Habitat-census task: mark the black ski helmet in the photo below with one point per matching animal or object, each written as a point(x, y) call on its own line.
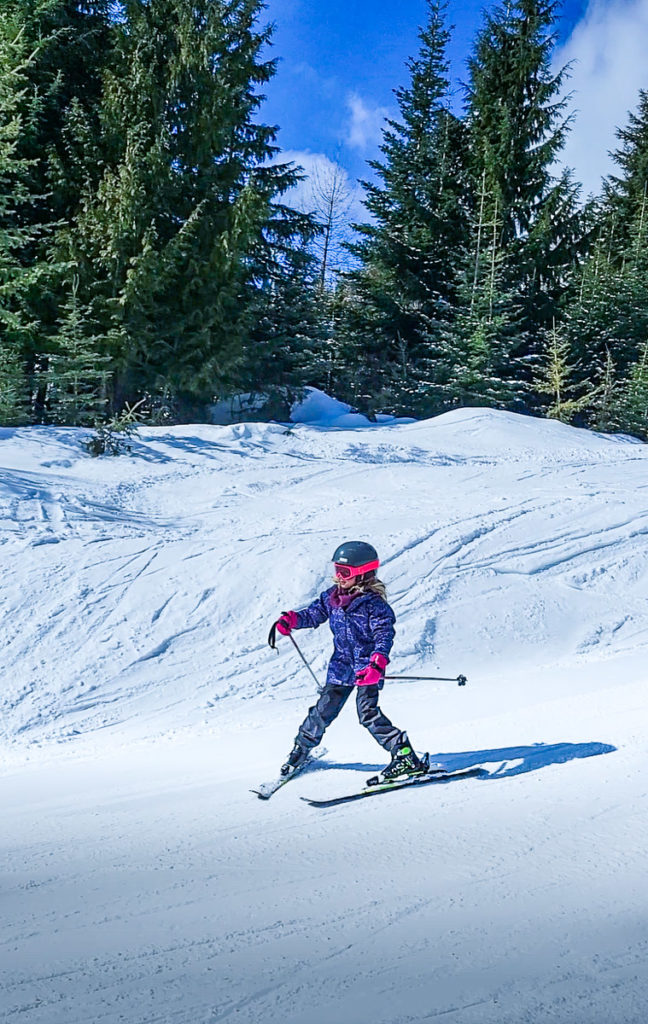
point(357, 557)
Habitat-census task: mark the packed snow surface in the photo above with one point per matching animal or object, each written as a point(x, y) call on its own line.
point(140, 879)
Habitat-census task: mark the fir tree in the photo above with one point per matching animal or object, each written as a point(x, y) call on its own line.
point(635, 397)
point(556, 379)
point(483, 333)
point(13, 390)
point(186, 224)
point(607, 320)
point(67, 43)
point(406, 283)
point(599, 319)
point(283, 352)
point(606, 408)
point(486, 328)
point(18, 107)
point(625, 194)
point(517, 122)
point(77, 376)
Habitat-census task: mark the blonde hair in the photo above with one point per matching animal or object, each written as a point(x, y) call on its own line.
point(372, 585)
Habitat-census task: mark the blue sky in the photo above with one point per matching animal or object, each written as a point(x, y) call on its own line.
point(341, 59)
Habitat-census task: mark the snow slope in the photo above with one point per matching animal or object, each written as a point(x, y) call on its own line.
point(142, 882)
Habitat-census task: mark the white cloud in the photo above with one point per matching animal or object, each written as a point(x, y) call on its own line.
point(364, 129)
point(609, 47)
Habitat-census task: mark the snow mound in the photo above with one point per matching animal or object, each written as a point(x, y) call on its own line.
point(320, 410)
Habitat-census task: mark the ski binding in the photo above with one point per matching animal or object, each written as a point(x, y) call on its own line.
point(266, 789)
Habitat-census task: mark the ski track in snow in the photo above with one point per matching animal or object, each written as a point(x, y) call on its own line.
point(188, 508)
point(141, 882)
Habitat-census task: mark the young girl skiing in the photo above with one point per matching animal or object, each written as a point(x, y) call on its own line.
point(362, 624)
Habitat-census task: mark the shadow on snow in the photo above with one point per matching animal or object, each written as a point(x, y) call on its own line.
point(509, 760)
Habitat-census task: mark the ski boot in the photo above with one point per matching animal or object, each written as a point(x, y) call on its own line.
point(295, 760)
point(404, 763)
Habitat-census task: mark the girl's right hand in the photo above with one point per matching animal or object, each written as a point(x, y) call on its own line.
point(286, 623)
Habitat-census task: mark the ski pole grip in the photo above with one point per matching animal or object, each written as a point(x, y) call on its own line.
point(272, 636)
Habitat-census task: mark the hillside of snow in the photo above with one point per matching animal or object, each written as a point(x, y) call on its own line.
point(142, 882)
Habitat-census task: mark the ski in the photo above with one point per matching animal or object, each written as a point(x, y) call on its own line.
point(266, 789)
point(386, 787)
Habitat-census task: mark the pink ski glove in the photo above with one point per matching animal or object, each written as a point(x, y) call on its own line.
point(374, 671)
point(287, 623)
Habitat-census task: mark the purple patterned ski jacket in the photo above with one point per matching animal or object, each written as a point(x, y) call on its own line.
point(365, 626)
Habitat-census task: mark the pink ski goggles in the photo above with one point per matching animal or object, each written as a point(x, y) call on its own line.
point(347, 572)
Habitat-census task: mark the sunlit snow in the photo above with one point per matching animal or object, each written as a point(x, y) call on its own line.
point(141, 880)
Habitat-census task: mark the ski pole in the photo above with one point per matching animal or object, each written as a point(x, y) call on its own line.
point(271, 641)
point(459, 680)
point(295, 645)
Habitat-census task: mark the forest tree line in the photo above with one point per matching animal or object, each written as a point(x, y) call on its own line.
point(150, 258)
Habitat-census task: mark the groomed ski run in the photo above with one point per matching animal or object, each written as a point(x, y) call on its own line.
point(144, 884)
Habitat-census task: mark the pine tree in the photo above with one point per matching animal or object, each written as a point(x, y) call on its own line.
point(625, 194)
point(556, 379)
point(517, 122)
point(77, 376)
point(13, 388)
point(187, 223)
point(406, 283)
point(69, 42)
point(483, 333)
point(59, 46)
point(606, 407)
point(635, 397)
point(18, 106)
point(608, 314)
point(283, 352)
point(607, 319)
point(486, 328)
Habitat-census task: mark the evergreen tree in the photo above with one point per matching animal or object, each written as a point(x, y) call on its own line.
point(45, 59)
point(556, 379)
point(609, 314)
point(13, 405)
point(626, 194)
point(77, 376)
point(283, 352)
point(517, 122)
point(12, 384)
point(606, 407)
point(18, 106)
point(186, 225)
point(406, 283)
point(607, 320)
point(635, 397)
point(67, 43)
point(483, 333)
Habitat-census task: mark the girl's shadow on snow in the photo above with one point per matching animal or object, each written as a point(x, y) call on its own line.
point(507, 760)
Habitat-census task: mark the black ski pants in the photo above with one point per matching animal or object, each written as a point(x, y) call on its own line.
point(328, 707)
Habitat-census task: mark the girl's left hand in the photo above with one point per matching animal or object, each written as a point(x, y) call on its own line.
point(373, 673)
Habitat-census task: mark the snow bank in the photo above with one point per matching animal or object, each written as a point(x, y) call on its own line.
point(320, 410)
